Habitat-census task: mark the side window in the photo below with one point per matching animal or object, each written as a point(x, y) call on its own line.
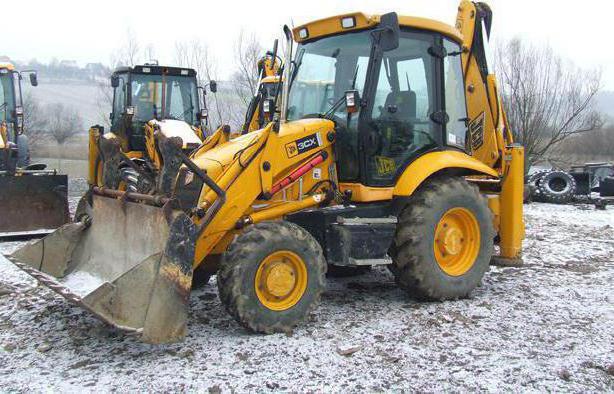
point(119, 99)
point(17, 88)
point(456, 129)
point(412, 77)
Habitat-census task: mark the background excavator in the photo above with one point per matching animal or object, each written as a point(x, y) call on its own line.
point(33, 200)
point(147, 100)
point(261, 108)
point(405, 160)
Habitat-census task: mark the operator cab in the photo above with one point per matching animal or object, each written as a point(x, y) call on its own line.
point(14, 150)
point(147, 92)
point(405, 84)
point(11, 106)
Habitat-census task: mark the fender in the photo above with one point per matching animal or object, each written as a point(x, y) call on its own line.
point(431, 163)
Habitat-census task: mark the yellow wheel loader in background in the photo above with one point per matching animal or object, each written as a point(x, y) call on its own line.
point(33, 200)
point(405, 160)
point(147, 99)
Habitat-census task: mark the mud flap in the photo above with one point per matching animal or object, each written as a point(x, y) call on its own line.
point(131, 266)
point(33, 203)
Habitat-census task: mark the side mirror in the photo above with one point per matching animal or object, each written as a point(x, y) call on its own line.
point(268, 106)
point(390, 31)
point(33, 79)
point(352, 101)
point(114, 81)
point(19, 116)
point(213, 86)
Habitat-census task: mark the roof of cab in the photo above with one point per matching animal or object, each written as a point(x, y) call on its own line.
point(156, 70)
point(332, 25)
point(8, 66)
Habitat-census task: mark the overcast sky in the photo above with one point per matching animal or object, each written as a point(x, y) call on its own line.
point(88, 31)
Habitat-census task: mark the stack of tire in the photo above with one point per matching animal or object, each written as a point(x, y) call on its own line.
point(552, 186)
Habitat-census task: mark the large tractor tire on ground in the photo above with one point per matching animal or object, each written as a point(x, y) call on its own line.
point(444, 241)
point(272, 277)
point(557, 187)
point(534, 178)
point(532, 184)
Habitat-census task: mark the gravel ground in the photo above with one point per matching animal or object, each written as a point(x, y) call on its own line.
point(545, 326)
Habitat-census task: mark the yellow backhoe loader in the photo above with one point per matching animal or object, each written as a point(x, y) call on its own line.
point(147, 99)
point(33, 200)
point(404, 160)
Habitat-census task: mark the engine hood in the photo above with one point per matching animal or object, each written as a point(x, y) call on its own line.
point(177, 128)
point(215, 160)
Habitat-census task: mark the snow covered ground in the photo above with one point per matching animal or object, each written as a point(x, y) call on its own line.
point(546, 326)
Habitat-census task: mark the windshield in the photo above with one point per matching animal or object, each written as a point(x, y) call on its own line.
point(326, 69)
point(7, 97)
point(180, 95)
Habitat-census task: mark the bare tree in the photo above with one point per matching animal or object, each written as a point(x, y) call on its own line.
point(63, 123)
point(248, 51)
point(104, 102)
point(547, 99)
point(196, 54)
point(34, 122)
point(129, 53)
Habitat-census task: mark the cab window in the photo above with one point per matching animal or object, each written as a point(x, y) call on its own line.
point(119, 102)
point(456, 128)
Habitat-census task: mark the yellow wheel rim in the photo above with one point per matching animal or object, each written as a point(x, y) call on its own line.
point(281, 280)
point(457, 241)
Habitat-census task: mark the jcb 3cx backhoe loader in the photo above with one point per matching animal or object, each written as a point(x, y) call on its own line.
point(147, 99)
point(33, 200)
point(405, 161)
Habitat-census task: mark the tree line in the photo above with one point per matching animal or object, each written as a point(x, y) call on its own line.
point(550, 102)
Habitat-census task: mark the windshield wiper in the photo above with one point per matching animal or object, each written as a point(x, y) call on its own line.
point(3, 108)
point(297, 64)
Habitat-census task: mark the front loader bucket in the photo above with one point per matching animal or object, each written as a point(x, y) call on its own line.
point(31, 203)
point(128, 263)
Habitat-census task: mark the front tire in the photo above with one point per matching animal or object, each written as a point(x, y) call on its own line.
point(444, 241)
point(272, 277)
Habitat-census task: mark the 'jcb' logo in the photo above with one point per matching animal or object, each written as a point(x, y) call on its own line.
point(292, 149)
point(303, 145)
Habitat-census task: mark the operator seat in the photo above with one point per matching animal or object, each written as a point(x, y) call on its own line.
point(400, 106)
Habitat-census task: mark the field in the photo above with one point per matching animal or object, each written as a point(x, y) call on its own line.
point(546, 326)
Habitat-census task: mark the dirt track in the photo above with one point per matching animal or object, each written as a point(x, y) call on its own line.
point(546, 326)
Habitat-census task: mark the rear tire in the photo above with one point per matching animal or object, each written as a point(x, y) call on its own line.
point(433, 253)
point(272, 277)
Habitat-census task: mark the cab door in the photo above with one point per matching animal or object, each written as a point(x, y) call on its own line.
point(405, 117)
